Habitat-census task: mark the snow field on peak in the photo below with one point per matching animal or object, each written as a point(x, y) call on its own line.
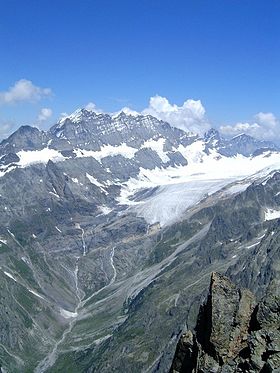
point(157, 146)
point(179, 187)
point(125, 150)
point(30, 157)
point(106, 151)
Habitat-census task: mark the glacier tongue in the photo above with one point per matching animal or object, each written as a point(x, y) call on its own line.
point(179, 188)
point(171, 201)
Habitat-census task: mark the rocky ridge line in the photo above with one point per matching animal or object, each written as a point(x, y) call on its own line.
point(233, 332)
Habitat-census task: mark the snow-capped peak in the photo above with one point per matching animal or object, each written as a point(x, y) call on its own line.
point(85, 113)
point(77, 116)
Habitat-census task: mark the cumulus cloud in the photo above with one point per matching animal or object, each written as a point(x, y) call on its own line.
point(190, 116)
point(127, 111)
point(92, 107)
point(45, 114)
point(264, 126)
point(23, 91)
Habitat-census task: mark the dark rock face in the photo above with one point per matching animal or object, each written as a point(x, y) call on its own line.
point(25, 138)
point(233, 334)
point(8, 159)
point(264, 343)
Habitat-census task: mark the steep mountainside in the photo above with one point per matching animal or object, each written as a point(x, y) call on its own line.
point(109, 230)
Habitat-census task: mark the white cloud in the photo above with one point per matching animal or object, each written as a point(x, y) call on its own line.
point(127, 111)
point(23, 91)
point(190, 116)
point(45, 114)
point(264, 126)
point(92, 107)
point(6, 129)
point(267, 119)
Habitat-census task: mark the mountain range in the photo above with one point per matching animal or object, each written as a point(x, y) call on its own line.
point(110, 227)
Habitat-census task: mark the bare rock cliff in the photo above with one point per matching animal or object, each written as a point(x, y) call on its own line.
point(233, 332)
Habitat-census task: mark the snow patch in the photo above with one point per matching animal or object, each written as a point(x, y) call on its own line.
point(157, 146)
point(35, 293)
point(253, 245)
point(25, 260)
point(54, 194)
point(270, 176)
point(106, 151)
point(30, 290)
point(94, 181)
point(29, 157)
point(97, 183)
point(194, 152)
point(105, 210)
point(67, 314)
point(271, 214)
point(10, 276)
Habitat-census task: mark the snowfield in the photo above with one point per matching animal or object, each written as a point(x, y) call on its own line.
point(106, 151)
point(271, 214)
point(30, 157)
point(180, 188)
point(176, 187)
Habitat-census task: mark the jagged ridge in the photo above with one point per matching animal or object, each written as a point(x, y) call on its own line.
point(233, 332)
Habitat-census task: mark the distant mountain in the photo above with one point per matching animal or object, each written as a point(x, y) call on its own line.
point(241, 144)
point(109, 229)
point(115, 150)
point(145, 140)
point(90, 131)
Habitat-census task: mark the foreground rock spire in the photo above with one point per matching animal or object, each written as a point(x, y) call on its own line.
point(233, 333)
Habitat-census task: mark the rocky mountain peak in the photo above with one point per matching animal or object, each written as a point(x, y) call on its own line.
point(24, 138)
point(122, 114)
point(212, 135)
point(233, 334)
point(78, 116)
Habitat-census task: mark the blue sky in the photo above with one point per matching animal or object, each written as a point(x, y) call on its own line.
point(225, 53)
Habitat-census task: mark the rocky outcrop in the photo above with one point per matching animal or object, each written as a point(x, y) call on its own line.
point(233, 333)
